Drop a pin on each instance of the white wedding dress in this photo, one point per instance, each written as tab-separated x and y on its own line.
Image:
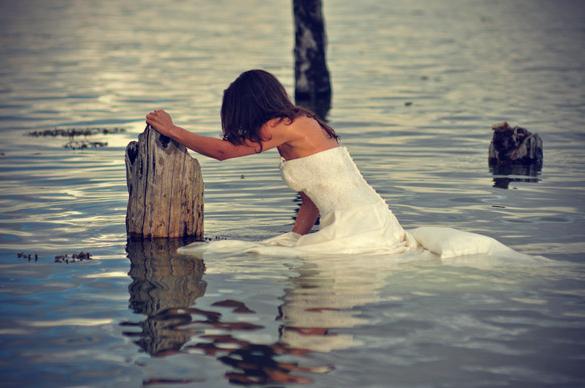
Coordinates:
355	219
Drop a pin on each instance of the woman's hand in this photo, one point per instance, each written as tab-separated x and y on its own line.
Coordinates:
161	121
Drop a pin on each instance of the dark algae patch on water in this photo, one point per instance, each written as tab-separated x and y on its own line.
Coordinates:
73	258
65	258
71	132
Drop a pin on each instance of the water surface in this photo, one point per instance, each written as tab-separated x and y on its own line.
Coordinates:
140	315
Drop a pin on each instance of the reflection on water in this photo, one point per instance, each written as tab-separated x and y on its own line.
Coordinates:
506	173
250	362
163	285
327	295
319	299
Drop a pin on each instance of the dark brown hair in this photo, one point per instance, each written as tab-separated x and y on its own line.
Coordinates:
255	97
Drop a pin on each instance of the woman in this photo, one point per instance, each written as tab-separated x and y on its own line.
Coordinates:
257	115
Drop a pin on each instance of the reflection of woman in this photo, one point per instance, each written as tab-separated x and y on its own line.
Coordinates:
257	115
327	299
319	304
320	307
323	299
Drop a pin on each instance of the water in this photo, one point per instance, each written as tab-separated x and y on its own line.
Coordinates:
140	315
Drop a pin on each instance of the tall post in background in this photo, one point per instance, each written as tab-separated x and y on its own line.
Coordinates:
312	83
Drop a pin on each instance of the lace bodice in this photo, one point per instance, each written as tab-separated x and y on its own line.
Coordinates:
331	179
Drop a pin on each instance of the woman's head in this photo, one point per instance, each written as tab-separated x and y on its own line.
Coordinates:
255	97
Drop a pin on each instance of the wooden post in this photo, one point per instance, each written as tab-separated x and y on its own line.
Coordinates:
312	84
165	188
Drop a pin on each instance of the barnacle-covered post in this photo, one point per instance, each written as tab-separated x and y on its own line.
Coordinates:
165	188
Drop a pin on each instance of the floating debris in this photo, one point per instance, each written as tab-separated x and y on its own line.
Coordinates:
70	132
215	238
82	144
515	145
74	258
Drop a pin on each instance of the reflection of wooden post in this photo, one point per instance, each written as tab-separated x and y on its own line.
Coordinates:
312	84
163	284
165	188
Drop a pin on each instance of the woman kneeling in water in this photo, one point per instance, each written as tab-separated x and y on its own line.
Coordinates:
257	115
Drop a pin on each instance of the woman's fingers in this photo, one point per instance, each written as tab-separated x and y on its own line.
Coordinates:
151	117
156	117
153	112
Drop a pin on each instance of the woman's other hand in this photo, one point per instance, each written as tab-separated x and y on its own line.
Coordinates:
161	121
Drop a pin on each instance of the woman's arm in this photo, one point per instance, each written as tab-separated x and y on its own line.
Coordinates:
306	217
213	147
210	146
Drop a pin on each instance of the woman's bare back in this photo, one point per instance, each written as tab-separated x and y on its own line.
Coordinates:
305	136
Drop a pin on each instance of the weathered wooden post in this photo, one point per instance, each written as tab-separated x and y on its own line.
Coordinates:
312	83
165	188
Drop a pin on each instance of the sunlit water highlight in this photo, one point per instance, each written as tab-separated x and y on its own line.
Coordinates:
140	315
